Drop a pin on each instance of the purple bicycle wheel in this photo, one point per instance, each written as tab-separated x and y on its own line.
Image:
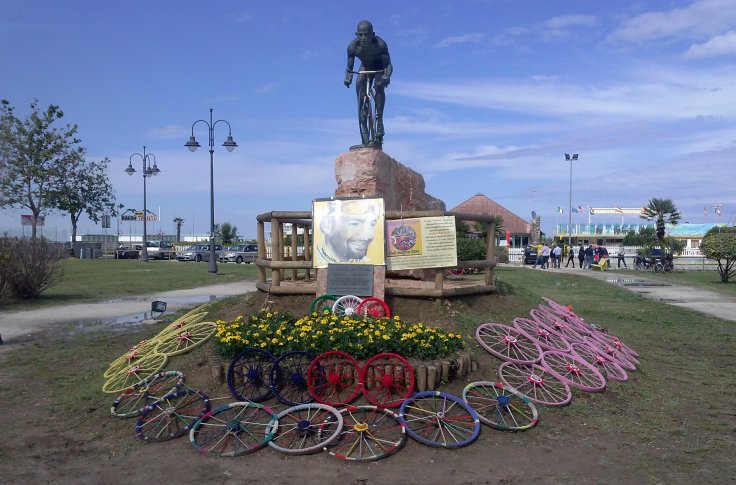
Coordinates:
545	339
610	369
508	343
573	370
535	382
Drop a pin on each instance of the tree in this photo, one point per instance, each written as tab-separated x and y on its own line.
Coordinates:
179	222
661	211
720	244
83	187
32	151
229	233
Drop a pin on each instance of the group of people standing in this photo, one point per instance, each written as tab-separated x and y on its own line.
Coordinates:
548	255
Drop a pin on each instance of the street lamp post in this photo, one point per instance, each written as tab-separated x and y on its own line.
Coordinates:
230	145
148	171
570	159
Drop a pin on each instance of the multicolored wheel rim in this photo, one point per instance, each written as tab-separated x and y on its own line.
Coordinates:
501	407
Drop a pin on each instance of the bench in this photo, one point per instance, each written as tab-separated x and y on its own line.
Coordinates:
601	265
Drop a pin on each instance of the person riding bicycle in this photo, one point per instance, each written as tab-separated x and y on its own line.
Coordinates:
373	54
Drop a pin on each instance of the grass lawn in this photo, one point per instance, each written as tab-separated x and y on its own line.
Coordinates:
670	422
95	279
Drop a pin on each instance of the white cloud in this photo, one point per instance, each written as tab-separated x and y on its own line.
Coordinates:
567	21
703	18
168	132
460	39
717	46
266	88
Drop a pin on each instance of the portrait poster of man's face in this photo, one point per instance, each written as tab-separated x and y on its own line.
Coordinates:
348	231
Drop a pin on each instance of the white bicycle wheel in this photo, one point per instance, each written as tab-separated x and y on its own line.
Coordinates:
346	305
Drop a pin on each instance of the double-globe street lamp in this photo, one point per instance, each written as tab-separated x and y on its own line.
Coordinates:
230	145
148	171
570	158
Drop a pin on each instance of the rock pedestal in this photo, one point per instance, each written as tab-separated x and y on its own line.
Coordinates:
370	172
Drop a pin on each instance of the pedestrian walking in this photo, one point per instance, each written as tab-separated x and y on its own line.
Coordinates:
621	256
581	255
545	256
589	256
557	255
570	257
538	261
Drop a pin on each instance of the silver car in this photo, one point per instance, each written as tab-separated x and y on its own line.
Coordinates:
198	252
240	253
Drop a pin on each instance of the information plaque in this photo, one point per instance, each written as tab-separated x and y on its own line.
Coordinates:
350	279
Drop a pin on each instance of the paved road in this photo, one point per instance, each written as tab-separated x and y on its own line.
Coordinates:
708	302
19	324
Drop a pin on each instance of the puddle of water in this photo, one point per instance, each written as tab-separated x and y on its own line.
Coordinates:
634	282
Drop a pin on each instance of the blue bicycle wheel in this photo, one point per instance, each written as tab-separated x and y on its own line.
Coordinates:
289	378
438	419
249	375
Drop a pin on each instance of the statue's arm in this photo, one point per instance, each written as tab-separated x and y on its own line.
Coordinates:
386	62
351	63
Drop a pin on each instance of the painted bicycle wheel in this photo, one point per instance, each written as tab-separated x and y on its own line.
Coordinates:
182	322
172	415
535	382
322	303
346	305
289	378
612	352
369	433
456	271
190	337
508	343
544	338
139	371
567	316
388	379
374	307
435	418
249	375
573	370
333	378
607	366
557	325
138	351
132	401
306	428
235	429
501	407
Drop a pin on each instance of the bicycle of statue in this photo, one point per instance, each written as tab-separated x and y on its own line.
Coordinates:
367	116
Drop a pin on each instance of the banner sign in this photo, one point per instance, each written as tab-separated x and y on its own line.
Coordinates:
137	216
27	220
427	242
350	279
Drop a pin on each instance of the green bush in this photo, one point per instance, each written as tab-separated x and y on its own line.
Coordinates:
470	249
720	244
29	266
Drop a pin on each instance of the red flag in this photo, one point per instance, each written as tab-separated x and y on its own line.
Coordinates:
508	238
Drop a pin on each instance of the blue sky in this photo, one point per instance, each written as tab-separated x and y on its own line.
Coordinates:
486	96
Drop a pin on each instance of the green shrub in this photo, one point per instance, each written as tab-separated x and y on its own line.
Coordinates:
470	249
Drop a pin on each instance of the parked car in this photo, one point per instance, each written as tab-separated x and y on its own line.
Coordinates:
240	253
198	252
530	255
124	252
160	250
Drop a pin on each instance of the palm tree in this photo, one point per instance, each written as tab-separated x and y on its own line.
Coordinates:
661	211
178	221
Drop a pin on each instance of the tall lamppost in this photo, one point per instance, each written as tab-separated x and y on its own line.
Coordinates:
230	145
148	171
569	209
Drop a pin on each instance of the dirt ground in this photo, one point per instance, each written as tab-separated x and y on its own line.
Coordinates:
46	443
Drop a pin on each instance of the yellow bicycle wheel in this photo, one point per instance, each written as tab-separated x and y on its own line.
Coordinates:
134	354
131	375
181	323
194	335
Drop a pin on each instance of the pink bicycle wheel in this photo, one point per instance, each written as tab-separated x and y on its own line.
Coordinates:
333	378
388	380
373	307
613	353
535	382
545	339
610	369
573	370
569	318
557	325
606	338
508	343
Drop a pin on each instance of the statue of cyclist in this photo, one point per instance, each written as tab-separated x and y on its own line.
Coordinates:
373	54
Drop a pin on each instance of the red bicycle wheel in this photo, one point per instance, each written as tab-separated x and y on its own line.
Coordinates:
573	370
545	339
374	307
536	382
333	378
388	380
508	343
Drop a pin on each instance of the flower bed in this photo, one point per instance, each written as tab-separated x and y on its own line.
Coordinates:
361	337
